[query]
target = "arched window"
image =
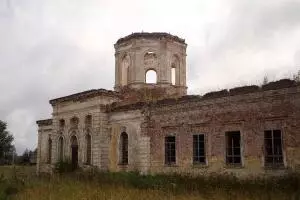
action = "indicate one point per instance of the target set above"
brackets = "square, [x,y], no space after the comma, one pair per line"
[151,77]
[88,149]
[74,151]
[173,77]
[49,150]
[125,69]
[60,149]
[74,122]
[124,148]
[175,70]
[88,121]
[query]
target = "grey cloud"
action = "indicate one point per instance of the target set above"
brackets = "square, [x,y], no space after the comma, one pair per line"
[53,48]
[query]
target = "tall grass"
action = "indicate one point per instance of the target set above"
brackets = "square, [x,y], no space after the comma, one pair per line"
[120,185]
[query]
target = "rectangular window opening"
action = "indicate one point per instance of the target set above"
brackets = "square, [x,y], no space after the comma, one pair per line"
[198,149]
[273,148]
[233,148]
[170,150]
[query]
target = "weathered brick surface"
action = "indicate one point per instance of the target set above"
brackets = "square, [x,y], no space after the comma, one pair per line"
[250,114]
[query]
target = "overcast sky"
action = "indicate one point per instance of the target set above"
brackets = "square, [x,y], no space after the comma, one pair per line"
[52,48]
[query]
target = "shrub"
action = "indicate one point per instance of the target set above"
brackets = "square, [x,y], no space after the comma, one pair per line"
[63,167]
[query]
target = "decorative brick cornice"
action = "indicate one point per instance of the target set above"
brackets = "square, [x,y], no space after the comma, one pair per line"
[154,35]
[44,122]
[85,95]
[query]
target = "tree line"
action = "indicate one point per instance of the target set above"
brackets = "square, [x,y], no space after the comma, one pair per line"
[8,153]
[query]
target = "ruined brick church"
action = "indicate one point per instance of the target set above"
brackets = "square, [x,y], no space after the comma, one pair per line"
[157,128]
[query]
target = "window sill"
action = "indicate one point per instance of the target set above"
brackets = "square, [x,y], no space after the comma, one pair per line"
[171,165]
[200,165]
[123,164]
[275,167]
[87,164]
[234,166]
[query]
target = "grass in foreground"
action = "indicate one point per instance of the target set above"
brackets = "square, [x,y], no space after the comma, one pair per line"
[21,183]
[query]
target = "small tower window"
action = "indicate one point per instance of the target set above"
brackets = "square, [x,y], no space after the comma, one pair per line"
[125,70]
[173,77]
[151,77]
[175,69]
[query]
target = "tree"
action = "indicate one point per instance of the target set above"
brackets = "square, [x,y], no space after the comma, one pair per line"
[6,139]
[266,80]
[297,77]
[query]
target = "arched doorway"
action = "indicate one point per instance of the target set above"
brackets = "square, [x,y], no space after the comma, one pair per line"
[74,151]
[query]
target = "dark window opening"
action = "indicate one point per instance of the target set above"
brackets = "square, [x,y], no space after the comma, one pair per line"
[170,150]
[198,149]
[124,149]
[273,148]
[233,148]
[88,149]
[61,148]
[49,151]
[61,123]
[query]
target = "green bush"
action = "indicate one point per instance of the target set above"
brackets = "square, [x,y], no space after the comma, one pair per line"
[63,167]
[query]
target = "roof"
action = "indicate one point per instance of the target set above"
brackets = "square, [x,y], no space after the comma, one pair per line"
[84,95]
[276,85]
[44,122]
[153,35]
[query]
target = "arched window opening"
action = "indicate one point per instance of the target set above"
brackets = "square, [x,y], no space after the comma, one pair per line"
[151,77]
[49,150]
[125,70]
[61,149]
[74,151]
[173,75]
[88,149]
[74,122]
[88,121]
[124,148]
[62,123]
[175,65]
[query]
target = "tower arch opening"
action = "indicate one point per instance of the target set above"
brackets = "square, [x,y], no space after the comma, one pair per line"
[125,69]
[175,70]
[151,76]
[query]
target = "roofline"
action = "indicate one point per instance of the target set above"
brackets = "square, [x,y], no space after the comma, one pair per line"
[150,35]
[83,95]
[44,122]
[276,85]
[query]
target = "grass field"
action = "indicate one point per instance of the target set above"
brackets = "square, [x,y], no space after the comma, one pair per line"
[22,183]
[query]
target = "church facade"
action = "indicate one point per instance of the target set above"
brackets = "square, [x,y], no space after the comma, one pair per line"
[157,128]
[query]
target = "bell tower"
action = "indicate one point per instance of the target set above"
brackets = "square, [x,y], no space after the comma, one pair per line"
[160,57]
